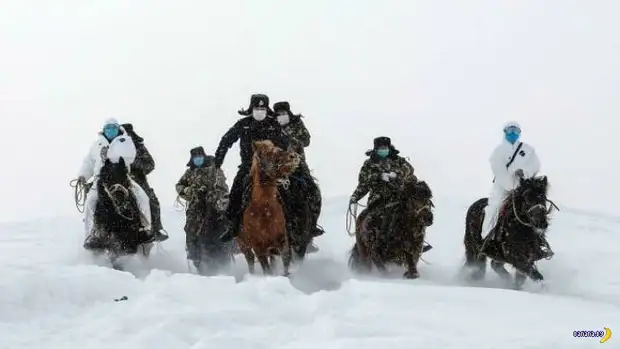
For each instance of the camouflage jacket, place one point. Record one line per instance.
(298, 134)
(369, 179)
(201, 187)
(142, 165)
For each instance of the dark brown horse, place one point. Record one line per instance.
(393, 231)
(263, 229)
(517, 239)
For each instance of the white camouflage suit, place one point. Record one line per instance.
(505, 178)
(121, 146)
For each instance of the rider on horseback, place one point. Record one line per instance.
(303, 183)
(112, 143)
(255, 126)
(384, 167)
(201, 184)
(143, 165)
(510, 161)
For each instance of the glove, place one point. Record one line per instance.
(519, 173)
(392, 175)
(81, 180)
(385, 177)
(187, 191)
(353, 200)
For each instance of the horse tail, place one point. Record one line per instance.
(473, 230)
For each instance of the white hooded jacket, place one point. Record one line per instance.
(121, 146)
(526, 160)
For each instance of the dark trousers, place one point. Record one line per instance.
(306, 192)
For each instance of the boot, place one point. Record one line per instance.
(312, 248)
(427, 247)
(230, 231)
(94, 242)
(318, 231)
(161, 235)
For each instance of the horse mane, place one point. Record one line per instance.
(539, 184)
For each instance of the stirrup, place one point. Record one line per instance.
(161, 235)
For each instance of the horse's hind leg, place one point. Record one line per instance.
(498, 267)
(287, 256)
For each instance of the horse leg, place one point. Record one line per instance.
(287, 256)
(263, 259)
(249, 257)
(523, 272)
(412, 270)
(498, 267)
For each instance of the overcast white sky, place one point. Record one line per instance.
(439, 77)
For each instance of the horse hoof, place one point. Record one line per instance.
(286, 274)
(411, 275)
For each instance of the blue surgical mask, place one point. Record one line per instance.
(383, 152)
(111, 131)
(512, 136)
(198, 160)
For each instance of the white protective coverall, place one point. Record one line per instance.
(121, 146)
(505, 179)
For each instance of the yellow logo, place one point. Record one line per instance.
(606, 336)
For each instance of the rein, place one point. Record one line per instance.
(110, 191)
(530, 225)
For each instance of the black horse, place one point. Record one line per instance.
(208, 254)
(117, 216)
(305, 205)
(393, 231)
(518, 237)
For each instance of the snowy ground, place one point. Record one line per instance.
(55, 296)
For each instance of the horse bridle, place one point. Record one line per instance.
(110, 191)
(547, 210)
(265, 168)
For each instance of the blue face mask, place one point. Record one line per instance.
(198, 160)
(512, 136)
(111, 131)
(383, 152)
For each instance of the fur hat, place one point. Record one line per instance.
(257, 100)
(286, 107)
(382, 141)
(200, 151)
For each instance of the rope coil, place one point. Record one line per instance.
(79, 194)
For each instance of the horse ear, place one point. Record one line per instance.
(544, 180)
(521, 180)
(121, 161)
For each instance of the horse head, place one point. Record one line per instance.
(530, 202)
(418, 198)
(273, 161)
(114, 179)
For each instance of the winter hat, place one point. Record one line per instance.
(512, 124)
(257, 100)
(134, 136)
(199, 151)
(382, 141)
(111, 121)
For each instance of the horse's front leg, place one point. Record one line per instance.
(287, 256)
(413, 253)
(249, 256)
(412, 270)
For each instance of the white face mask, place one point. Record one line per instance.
(283, 119)
(258, 114)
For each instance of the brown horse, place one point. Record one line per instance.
(263, 228)
(393, 231)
